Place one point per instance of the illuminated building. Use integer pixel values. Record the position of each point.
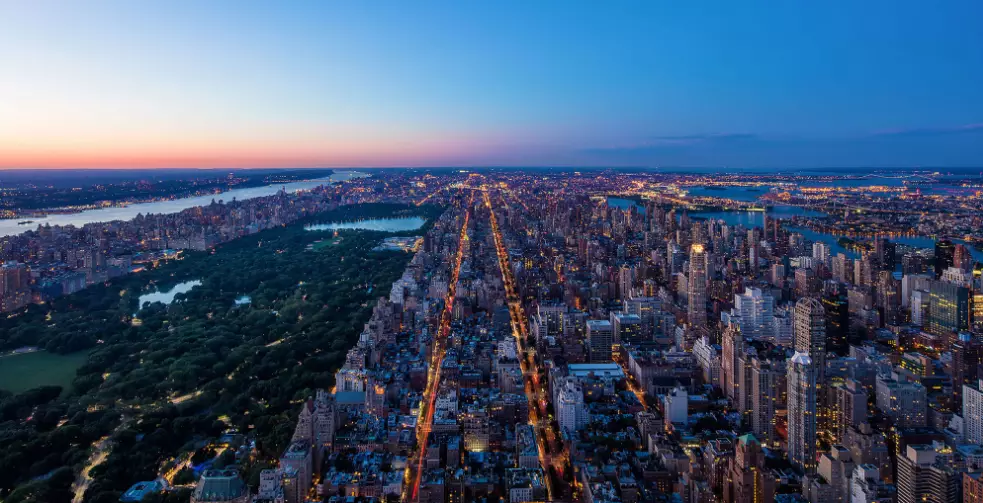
(730, 354)
(944, 256)
(922, 477)
(220, 486)
(600, 338)
(768, 391)
(905, 402)
(948, 308)
(749, 482)
(697, 295)
(755, 310)
(810, 333)
(967, 354)
(802, 412)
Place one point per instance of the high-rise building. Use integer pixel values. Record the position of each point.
(837, 324)
(973, 412)
(842, 268)
(884, 254)
(835, 468)
(756, 310)
(913, 263)
(905, 402)
(920, 305)
(820, 252)
(866, 485)
(600, 338)
(810, 333)
(944, 256)
(806, 281)
(888, 297)
(749, 482)
(863, 271)
(922, 479)
(962, 258)
(967, 354)
(15, 291)
(768, 391)
(646, 308)
(298, 458)
(707, 357)
(851, 406)
(948, 310)
(732, 348)
(697, 310)
(973, 487)
(626, 328)
(570, 412)
(802, 411)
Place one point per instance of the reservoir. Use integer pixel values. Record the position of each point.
(166, 297)
(11, 227)
(401, 224)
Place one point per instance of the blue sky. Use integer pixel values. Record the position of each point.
(243, 83)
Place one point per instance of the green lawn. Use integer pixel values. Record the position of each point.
(19, 373)
(326, 243)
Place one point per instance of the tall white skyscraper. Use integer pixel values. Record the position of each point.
(756, 310)
(802, 412)
(820, 251)
(973, 412)
(697, 311)
(570, 411)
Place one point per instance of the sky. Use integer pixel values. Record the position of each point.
(242, 83)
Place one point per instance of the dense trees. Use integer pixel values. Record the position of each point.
(164, 384)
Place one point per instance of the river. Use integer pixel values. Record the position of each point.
(12, 227)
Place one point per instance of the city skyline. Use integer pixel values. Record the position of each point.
(122, 85)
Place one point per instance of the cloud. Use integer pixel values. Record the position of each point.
(958, 146)
(936, 131)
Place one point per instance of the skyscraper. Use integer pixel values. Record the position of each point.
(810, 333)
(972, 394)
(944, 256)
(768, 389)
(967, 354)
(922, 479)
(756, 310)
(948, 309)
(802, 412)
(570, 412)
(600, 337)
(884, 254)
(749, 483)
(697, 312)
(731, 350)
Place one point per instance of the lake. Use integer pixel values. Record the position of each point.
(21, 372)
(11, 227)
(400, 224)
(166, 297)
